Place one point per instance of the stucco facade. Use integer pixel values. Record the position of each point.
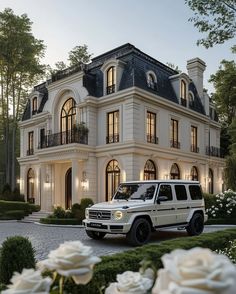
(145, 120)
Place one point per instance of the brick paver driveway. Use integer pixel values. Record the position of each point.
(46, 238)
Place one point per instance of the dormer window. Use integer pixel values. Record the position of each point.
(34, 105)
(111, 80)
(191, 99)
(183, 93)
(151, 80)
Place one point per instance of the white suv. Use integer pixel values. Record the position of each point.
(140, 207)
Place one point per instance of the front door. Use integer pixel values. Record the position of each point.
(68, 190)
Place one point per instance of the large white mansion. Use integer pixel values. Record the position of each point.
(125, 116)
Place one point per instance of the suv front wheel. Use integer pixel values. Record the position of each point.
(196, 225)
(139, 233)
(95, 235)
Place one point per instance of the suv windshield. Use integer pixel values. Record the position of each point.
(142, 191)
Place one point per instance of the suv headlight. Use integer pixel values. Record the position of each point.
(118, 215)
(86, 213)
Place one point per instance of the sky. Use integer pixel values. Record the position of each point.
(160, 28)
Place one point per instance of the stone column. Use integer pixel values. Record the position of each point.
(75, 180)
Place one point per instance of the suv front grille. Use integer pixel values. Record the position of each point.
(98, 214)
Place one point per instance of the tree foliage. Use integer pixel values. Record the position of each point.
(224, 81)
(215, 18)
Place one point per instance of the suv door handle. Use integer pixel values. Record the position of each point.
(172, 208)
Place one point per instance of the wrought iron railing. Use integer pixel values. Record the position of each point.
(214, 151)
(111, 89)
(174, 144)
(30, 152)
(183, 101)
(112, 138)
(62, 138)
(194, 148)
(152, 139)
(34, 112)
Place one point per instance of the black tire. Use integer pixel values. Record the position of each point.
(95, 235)
(196, 225)
(139, 233)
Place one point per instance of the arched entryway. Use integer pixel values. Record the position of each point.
(150, 170)
(211, 181)
(68, 189)
(30, 186)
(112, 178)
(174, 172)
(194, 174)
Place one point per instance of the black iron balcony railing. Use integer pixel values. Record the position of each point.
(112, 138)
(62, 138)
(174, 144)
(194, 148)
(34, 112)
(111, 89)
(183, 102)
(30, 152)
(152, 139)
(214, 151)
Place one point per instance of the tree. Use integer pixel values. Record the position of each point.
(20, 67)
(216, 18)
(224, 81)
(79, 55)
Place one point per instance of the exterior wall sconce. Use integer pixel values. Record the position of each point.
(166, 176)
(47, 178)
(84, 181)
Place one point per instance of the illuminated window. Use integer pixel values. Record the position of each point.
(183, 93)
(34, 105)
(111, 80)
(151, 128)
(194, 147)
(194, 174)
(149, 170)
(112, 178)
(30, 150)
(174, 172)
(112, 127)
(211, 181)
(68, 120)
(174, 134)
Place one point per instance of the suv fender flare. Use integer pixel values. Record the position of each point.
(193, 211)
(137, 216)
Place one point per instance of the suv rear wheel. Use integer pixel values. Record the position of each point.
(139, 233)
(95, 235)
(196, 225)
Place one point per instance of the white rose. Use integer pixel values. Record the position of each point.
(197, 271)
(29, 281)
(71, 259)
(131, 282)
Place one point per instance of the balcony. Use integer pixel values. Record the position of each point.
(34, 112)
(174, 144)
(183, 102)
(152, 139)
(63, 138)
(30, 152)
(214, 151)
(111, 89)
(112, 139)
(194, 148)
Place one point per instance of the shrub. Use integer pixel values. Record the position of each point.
(229, 251)
(15, 214)
(16, 253)
(210, 200)
(85, 202)
(221, 221)
(58, 212)
(60, 221)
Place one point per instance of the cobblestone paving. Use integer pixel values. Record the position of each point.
(46, 238)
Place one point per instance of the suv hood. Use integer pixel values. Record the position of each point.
(118, 204)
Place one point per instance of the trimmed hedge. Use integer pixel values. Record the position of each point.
(106, 271)
(60, 221)
(210, 200)
(23, 209)
(15, 214)
(221, 221)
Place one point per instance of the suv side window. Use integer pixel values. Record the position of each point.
(195, 192)
(165, 190)
(180, 192)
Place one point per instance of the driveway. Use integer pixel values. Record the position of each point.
(46, 238)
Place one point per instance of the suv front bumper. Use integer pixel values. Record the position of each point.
(101, 226)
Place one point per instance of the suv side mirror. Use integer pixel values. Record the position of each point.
(162, 198)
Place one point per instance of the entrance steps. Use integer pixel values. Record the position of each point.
(35, 216)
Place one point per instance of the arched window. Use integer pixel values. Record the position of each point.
(112, 178)
(149, 170)
(68, 120)
(34, 105)
(211, 181)
(174, 172)
(191, 99)
(183, 93)
(30, 185)
(151, 81)
(111, 80)
(194, 174)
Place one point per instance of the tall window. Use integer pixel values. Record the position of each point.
(151, 128)
(30, 185)
(151, 81)
(174, 172)
(112, 178)
(111, 80)
(174, 133)
(211, 181)
(30, 150)
(191, 100)
(194, 174)
(183, 93)
(149, 170)
(68, 119)
(113, 127)
(34, 105)
(194, 147)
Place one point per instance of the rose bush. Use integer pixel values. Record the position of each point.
(29, 281)
(132, 282)
(71, 259)
(197, 271)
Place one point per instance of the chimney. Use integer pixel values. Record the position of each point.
(195, 68)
